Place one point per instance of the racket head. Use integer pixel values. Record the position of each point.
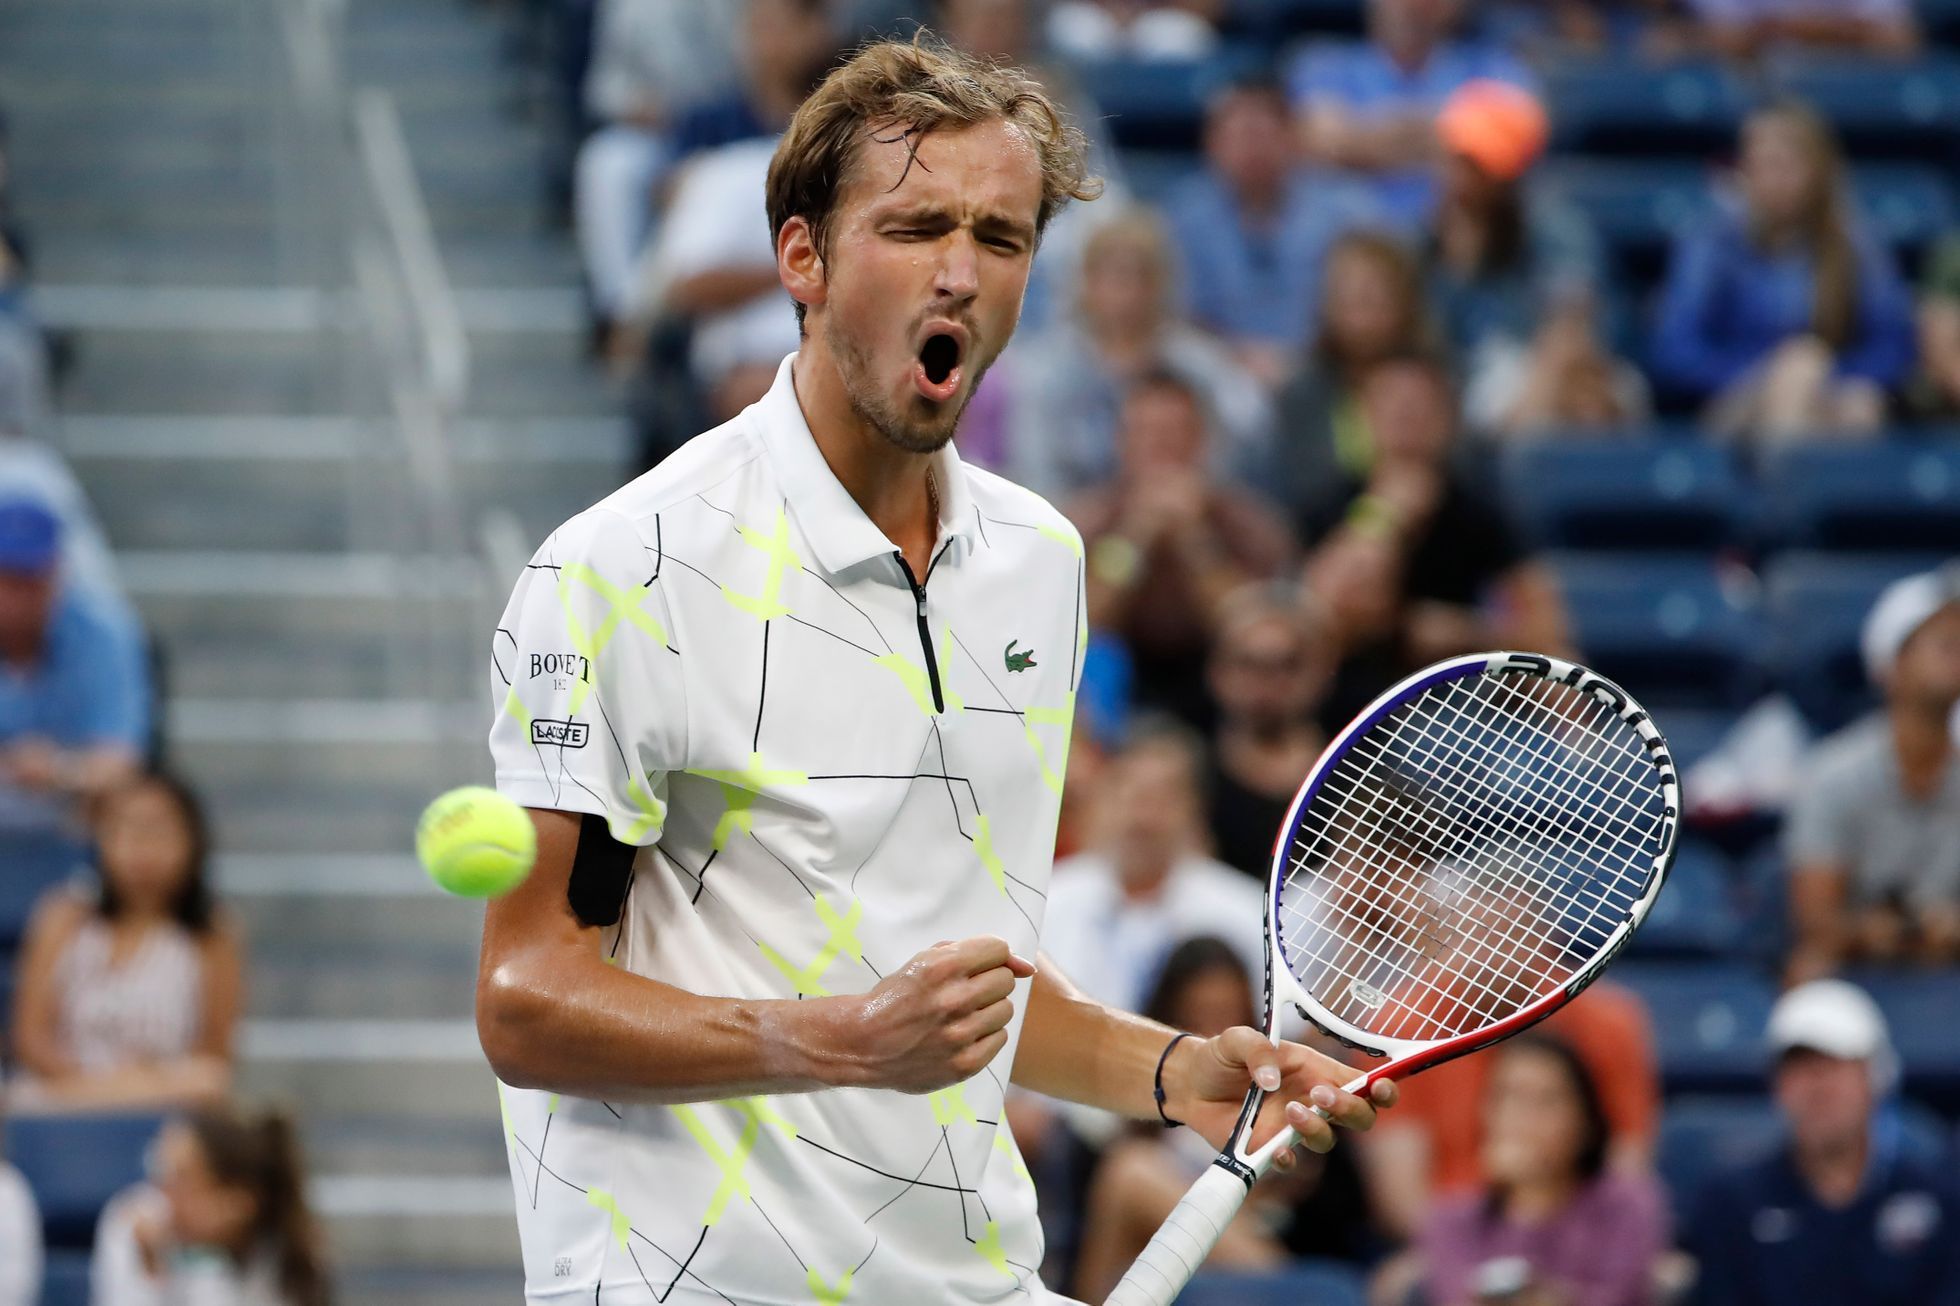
(1467, 855)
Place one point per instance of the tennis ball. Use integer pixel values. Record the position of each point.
(475, 842)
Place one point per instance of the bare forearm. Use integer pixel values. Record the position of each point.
(1079, 1050)
(594, 1031)
(721, 288)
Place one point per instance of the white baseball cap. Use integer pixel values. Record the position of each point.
(1902, 608)
(1836, 1018)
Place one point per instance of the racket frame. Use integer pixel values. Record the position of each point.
(1403, 1057)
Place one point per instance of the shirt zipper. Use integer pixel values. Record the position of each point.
(925, 631)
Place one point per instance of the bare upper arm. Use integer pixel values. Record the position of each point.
(537, 914)
(57, 917)
(223, 952)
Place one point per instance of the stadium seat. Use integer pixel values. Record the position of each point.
(1674, 630)
(1159, 104)
(1599, 105)
(1816, 606)
(1762, 897)
(1639, 206)
(1693, 734)
(75, 1163)
(1704, 1136)
(1708, 1022)
(29, 866)
(65, 1280)
(1920, 1008)
(1632, 495)
(1154, 175)
(1879, 107)
(1320, 1282)
(1696, 914)
(1902, 494)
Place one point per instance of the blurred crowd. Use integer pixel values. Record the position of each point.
(121, 975)
(1303, 378)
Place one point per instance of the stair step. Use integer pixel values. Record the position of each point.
(393, 1221)
(335, 1069)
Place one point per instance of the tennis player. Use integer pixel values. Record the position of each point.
(791, 712)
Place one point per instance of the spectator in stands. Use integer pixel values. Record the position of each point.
(1269, 665)
(1371, 107)
(1116, 911)
(1747, 28)
(1410, 561)
(1841, 1212)
(1371, 308)
(20, 1240)
(74, 706)
(1936, 392)
(1253, 230)
(1551, 1223)
(651, 60)
(1067, 383)
(129, 995)
(1315, 1207)
(1434, 1147)
(1516, 280)
(1542, 29)
(1167, 541)
(1134, 29)
(1873, 840)
(1785, 312)
(224, 1220)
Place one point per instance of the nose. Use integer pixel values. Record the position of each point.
(958, 274)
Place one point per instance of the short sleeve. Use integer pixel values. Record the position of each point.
(591, 708)
(1816, 830)
(20, 1241)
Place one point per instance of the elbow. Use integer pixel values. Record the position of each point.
(510, 1014)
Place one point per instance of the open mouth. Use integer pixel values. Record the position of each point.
(938, 372)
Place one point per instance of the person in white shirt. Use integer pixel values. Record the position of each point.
(791, 712)
(224, 1222)
(20, 1240)
(1147, 884)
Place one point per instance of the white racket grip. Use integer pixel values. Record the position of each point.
(1184, 1240)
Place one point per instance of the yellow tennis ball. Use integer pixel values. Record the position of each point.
(475, 842)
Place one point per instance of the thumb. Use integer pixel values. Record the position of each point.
(1245, 1046)
(1020, 966)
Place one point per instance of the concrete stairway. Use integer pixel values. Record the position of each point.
(321, 684)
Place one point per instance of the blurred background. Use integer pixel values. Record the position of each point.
(1629, 331)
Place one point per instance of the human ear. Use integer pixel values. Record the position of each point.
(800, 264)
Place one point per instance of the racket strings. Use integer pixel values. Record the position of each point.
(1471, 852)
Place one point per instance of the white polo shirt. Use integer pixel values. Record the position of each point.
(825, 774)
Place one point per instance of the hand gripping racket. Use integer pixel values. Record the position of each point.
(1462, 860)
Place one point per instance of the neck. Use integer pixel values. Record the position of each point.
(1537, 1200)
(1921, 738)
(22, 649)
(889, 483)
(1145, 880)
(1834, 1171)
(1260, 197)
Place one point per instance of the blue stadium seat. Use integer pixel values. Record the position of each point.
(1704, 1136)
(1620, 494)
(65, 1282)
(1816, 605)
(1901, 494)
(1639, 206)
(74, 1164)
(1159, 104)
(1763, 899)
(1599, 105)
(1670, 628)
(1708, 1022)
(1319, 1282)
(1696, 914)
(30, 865)
(1879, 107)
(1153, 175)
(1920, 1008)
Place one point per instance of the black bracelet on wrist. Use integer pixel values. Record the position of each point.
(1159, 1090)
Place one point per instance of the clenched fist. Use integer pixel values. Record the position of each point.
(936, 1021)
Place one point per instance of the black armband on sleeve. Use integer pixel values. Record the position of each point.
(601, 870)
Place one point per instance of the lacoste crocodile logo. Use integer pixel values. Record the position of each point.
(1019, 661)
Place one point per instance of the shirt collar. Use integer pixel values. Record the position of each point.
(838, 531)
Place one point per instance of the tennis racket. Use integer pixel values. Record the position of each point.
(1462, 860)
